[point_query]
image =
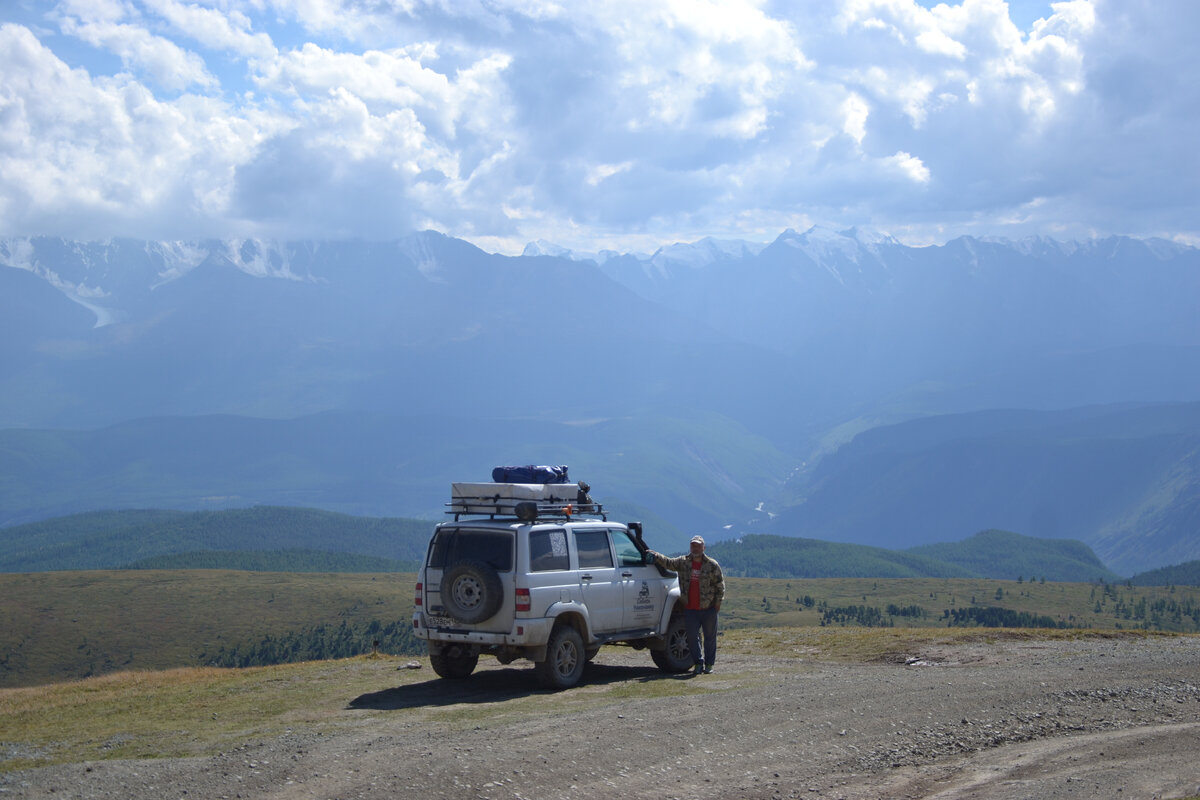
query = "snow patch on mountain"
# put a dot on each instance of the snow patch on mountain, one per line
(17, 253)
(178, 259)
(259, 258)
(20, 254)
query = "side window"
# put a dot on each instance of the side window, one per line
(548, 551)
(593, 549)
(627, 551)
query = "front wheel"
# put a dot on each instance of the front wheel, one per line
(676, 656)
(565, 659)
(454, 662)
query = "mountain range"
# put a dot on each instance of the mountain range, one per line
(724, 387)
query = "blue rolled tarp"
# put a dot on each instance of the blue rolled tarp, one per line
(530, 474)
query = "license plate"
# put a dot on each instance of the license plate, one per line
(441, 622)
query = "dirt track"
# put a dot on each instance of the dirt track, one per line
(1052, 719)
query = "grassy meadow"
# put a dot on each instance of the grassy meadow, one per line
(67, 625)
(57, 626)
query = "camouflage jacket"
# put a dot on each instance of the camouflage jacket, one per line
(712, 581)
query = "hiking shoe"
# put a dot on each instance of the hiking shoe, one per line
(698, 670)
(708, 670)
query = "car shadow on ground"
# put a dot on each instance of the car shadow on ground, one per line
(497, 685)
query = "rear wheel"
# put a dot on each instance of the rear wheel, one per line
(454, 662)
(676, 656)
(565, 659)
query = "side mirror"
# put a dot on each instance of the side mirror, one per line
(649, 558)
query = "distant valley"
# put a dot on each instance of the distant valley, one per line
(836, 386)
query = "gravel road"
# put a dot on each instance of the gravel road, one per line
(1095, 718)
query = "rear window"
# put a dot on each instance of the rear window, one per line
(452, 545)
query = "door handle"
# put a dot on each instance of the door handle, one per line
(626, 574)
(585, 577)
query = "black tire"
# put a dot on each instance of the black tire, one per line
(471, 591)
(454, 662)
(591, 654)
(676, 656)
(565, 659)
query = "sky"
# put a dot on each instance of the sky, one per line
(621, 125)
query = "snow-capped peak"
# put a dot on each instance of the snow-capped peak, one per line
(543, 248)
(704, 252)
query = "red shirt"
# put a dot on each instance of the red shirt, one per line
(693, 601)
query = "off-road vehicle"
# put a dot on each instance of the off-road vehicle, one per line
(527, 571)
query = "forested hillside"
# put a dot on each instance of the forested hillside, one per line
(1179, 575)
(1002, 554)
(275, 561)
(269, 539)
(116, 539)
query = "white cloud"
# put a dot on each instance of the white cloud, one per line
(600, 172)
(938, 43)
(855, 112)
(215, 28)
(910, 166)
(507, 121)
(167, 64)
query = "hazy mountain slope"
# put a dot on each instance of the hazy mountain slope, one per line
(788, 338)
(991, 554)
(1118, 479)
(697, 473)
(424, 325)
(766, 556)
(968, 325)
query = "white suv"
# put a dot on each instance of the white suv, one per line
(535, 581)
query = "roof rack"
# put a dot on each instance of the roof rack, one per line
(524, 501)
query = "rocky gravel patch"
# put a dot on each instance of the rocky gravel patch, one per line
(1048, 719)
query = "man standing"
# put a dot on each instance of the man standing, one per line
(703, 588)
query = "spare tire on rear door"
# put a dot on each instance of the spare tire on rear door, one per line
(471, 591)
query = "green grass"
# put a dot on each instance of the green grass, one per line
(64, 625)
(197, 711)
(179, 712)
(57, 626)
(1072, 603)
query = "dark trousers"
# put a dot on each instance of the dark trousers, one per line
(703, 620)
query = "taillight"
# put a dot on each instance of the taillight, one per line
(523, 602)
(417, 599)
